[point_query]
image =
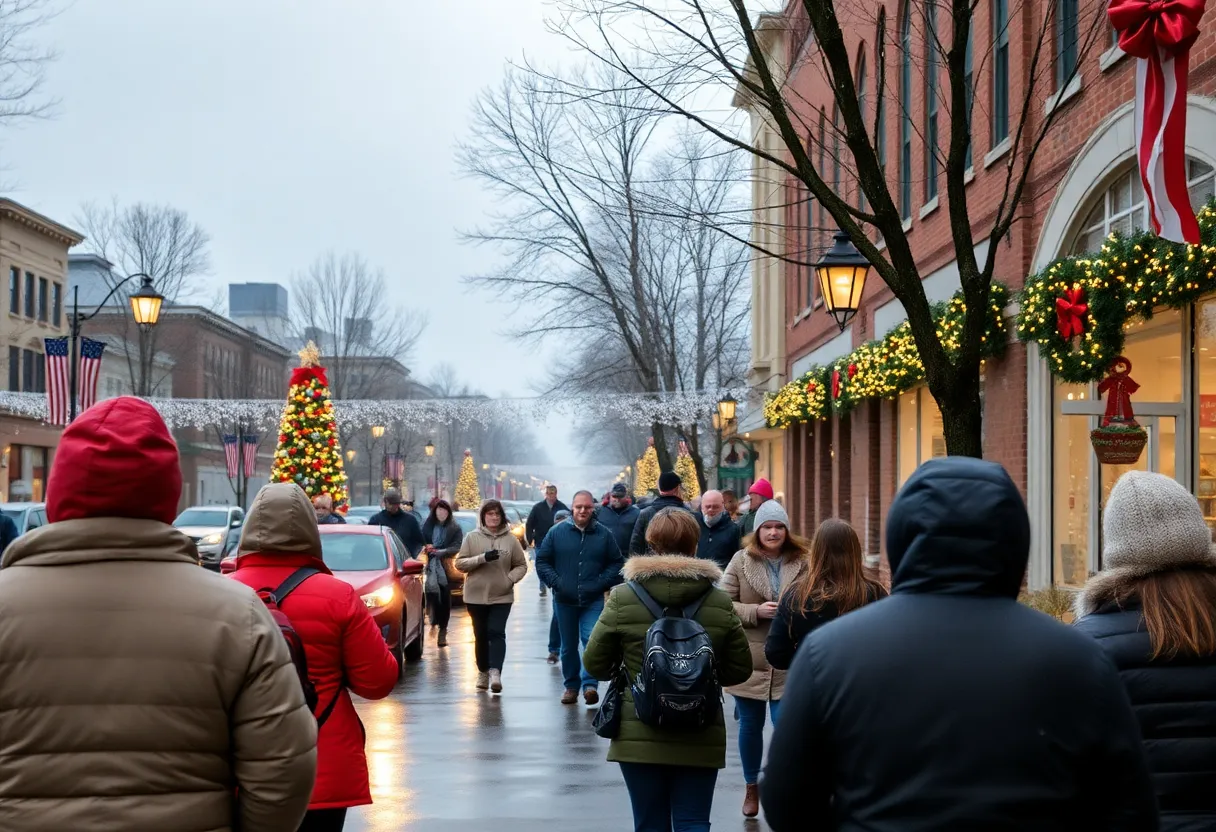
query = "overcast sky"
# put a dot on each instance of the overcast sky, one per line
(288, 127)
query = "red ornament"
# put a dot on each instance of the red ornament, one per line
(291, 451)
(835, 384)
(332, 441)
(852, 371)
(1070, 313)
(317, 465)
(810, 388)
(292, 470)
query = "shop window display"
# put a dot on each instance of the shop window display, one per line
(921, 436)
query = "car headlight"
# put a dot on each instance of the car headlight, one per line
(518, 531)
(212, 539)
(382, 597)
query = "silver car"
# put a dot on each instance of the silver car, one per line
(27, 516)
(215, 530)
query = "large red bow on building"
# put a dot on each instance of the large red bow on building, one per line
(1159, 34)
(1070, 313)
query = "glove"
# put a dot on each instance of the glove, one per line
(492, 556)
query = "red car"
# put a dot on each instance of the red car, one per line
(376, 564)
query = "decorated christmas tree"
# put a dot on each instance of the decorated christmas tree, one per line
(648, 470)
(308, 452)
(467, 495)
(687, 469)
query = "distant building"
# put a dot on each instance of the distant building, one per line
(94, 276)
(261, 308)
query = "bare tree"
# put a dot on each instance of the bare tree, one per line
(157, 240)
(341, 303)
(603, 231)
(676, 51)
(23, 61)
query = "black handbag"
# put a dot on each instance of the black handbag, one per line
(607, 720)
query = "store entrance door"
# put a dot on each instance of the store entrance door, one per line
(1166, 452)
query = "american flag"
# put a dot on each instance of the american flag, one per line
(394, 467)
(58, 377)
(230, 454)
(250, 453)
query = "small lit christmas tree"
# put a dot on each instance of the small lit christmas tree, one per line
(687, 469)
(648, 470)
(467, 494)
(308, 452)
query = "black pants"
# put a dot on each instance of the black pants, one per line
(441, 606)
(323, 820)
(489, 634)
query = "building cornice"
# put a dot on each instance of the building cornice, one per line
(46, 226)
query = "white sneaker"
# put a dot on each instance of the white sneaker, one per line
(496, 681)
(483, 681)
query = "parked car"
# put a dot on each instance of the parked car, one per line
(215, 530)
(27, 516)
(376, 564)
(361, 514)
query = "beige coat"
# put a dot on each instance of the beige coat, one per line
(141, 692)
(493, 582)
(746, 581)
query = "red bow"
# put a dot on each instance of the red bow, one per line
(1144, 26)
(835, 384)
(1070, 313)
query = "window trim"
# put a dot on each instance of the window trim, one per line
(44, 300)
(1000, 72)
(28, 308)
(905, 102)
(931, 133)
(14, 290)
(1064, 73)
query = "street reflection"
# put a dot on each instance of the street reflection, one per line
(388, 760)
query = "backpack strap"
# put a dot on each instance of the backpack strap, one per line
(329, 709)
(649, 603)
(690, 612)
(293, 580)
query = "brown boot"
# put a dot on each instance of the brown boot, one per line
(443, 637)
(570, 697)
(751, 801)
(591, 696)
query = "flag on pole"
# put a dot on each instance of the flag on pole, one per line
(394, 467)
(90, 372)
(230, 454)
(249, 453)
(57, 375)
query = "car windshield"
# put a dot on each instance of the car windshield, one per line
(354, 552)
(14, 514)
(363, 511)
(202, 517)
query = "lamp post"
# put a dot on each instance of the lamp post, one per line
(145, 309)
(430, 452)
(842, 279)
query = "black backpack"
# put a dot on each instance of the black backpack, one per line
(272, 598)
(677, 687)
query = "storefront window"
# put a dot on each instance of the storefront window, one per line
(1154, 348)
(921, 436)
(1205, 359)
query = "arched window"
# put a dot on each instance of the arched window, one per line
(861, 81)
(905, 105)
(1000, 71)
(1123, 208)
(931, 75)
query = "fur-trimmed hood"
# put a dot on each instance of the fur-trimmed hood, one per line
(681, 567)
(1108, 586)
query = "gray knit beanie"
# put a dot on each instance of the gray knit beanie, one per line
(771, 510)
(1152, 523)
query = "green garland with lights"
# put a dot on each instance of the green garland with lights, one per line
(1126, 280)
(880, 369)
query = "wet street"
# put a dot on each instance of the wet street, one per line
(445, 757)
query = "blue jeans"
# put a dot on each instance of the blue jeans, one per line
(576, 624)
(555, 634)
(669, 798)
(750, 713)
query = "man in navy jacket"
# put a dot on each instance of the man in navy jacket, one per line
(619, 516)
(580, 561)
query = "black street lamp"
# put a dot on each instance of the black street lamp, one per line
(842, 279)
(430, 452)
(145, 309)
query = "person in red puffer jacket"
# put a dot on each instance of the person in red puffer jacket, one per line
(344, 647)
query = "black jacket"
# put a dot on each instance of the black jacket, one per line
(540, 520)
(579, 564)
(1175, 702)
(8, 532)
(620, 523)
(790, 627)
(405, 526)
(949, 706)
(718, 543)
(637, 543)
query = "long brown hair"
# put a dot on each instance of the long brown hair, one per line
(793, 548)
(835, 572)
(1179, 609)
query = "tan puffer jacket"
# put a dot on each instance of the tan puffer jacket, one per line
(493, 582)
(746, 580)
(142, 693)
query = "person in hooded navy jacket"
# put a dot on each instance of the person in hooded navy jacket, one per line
(949, 706)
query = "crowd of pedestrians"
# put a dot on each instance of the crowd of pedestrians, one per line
(940, 703)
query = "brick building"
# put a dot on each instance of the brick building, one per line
(1083, 186)
(210, 357)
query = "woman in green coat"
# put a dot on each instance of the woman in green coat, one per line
(670, 776)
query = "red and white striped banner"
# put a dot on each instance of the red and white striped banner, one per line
(249, 453)
(1159, 34)
(230, 454)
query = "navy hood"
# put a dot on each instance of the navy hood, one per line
(958, 527)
